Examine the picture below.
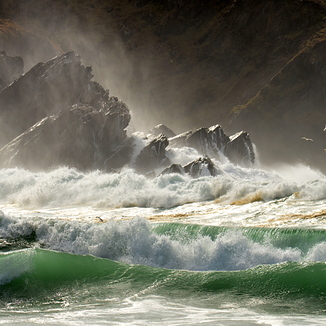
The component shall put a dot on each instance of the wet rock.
(45, 90)
(153, 155)
(80, 137)
(213, 142)
(201, 167)
(162, 129)
(208, 141)
(174, 168)
(240, 149)
(10, 69)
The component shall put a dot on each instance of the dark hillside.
(193, 63)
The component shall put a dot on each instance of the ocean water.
(247, 247)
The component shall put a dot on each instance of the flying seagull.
(324, 128)
(305, 138)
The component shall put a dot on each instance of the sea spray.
(13, 265)
(137, 242)
(69, 187)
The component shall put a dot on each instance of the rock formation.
(174, 168)
(42, 91)
(80, 137)
(153, 155)
(213, 142)
(162, 129)
(56, 115)
(201, 167)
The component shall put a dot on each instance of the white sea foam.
(134, 242)
(69, 187)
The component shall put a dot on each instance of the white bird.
(305, 138)
(324, 128)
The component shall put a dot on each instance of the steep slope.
(287, 117)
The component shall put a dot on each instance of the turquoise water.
(37, 281)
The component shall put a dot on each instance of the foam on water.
(134, 242)
(69, 187)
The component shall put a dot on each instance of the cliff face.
(288, 115)
(256, 64)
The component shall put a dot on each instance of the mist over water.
(246, 246)
(69, 187)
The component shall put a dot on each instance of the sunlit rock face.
(174, 168)
(10, 69)
(213, 142)
(201, 167)
(42, 91)
(240, 149)
(55, 115)
(153, 155)
(80, 137)
(162, 129)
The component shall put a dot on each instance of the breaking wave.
(69, 187)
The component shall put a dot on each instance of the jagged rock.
(153, 155)
(240, 149)
(162, 129)
(59, 116)
(213, 142)
(207, 141)
(81, 137)
(201, 167)
(180, 140)
(44, 90)
(174, 168)
(10, 69)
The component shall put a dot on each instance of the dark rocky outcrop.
(201, 167)
(56, 115)
(207, 141)
(10, 69)
(44, 90)
(206, 57)
(240, 149)
(153, 155)
(213, 142)
(80, 137)
(174, 168)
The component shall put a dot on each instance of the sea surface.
(247, 247)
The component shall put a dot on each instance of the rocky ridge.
(56, 115)
(213, 58)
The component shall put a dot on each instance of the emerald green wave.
(300, 238)
(45, 273)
